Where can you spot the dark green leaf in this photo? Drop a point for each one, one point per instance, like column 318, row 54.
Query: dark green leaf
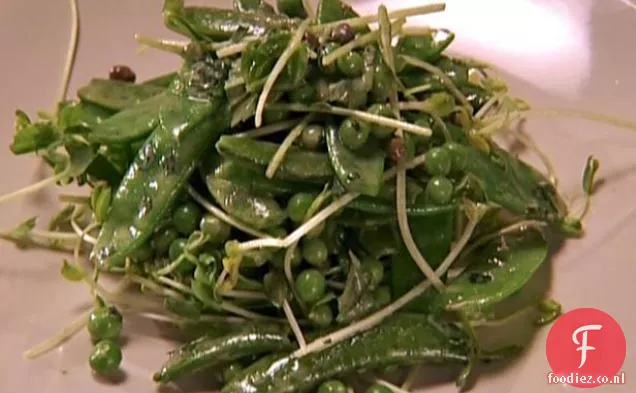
column 30, row 137
column 72, row 272
column 426, row 47
column 335, row 10
column 276, row 288
column 259, row 57
column 188, row 308
column 496, row 272
column 357, row 298
column 360, row 171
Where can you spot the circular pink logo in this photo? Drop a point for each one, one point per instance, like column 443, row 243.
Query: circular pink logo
column 586, row 348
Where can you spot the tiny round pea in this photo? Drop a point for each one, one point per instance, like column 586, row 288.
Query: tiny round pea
column 176, row 248
column 332, row 386
column 328, row 48
column 315, row 252
column 353, row 134
column 163, row 239
column 143, row 253
column 439, row 190
column 278, row 261
column 185, row 218
column 105, row 358
column 381, row 110
column 312, row 136
column 351, row 64
column 316, row 232
column 278, row 232
column 382, row 296
column 376, row 270
column 310, row 285
column 298, row 205
column 303, row 94
column 321, row 316
column 104, row 323
column 438, row 161
column 458, row 160
column 231, row 371
column 377, row 388
column 216, row 230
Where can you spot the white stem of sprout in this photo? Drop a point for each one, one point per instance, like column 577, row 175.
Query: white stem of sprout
column 279, row 155
column 59, row 338
column 395, row 389
column 294, row 42
column 240, row 311
column 72, row 50
column 357, row 114
column 240, row 294
column 293, row 323
column 31, row 188
column 171, row 46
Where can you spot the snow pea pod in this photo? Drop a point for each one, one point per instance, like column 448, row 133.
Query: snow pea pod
column 485, row 283
column 214, row 24
column 253, row 179
column 116, row 95
column 209, row 351
column 258, row 211
column 134, row 123
column 360, row 171
column 379, row 207
column 401, row 340
column 162, row 166
column 298, row 164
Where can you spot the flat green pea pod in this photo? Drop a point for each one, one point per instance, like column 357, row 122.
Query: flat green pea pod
column 116, row 95
column 134, row 123
column 485, row 283
column 378, row 207
column 298, row 164
column 427, row 47
column 162, row 166
column 360, row 171
column 214, row 24
column 509, row 182
column 399, row 341
column 260, row 212
column 207, row 352
column 253, row 179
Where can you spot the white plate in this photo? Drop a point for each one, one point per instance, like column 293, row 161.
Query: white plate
column 556, row 53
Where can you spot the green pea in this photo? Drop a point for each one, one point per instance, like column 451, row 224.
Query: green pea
column 382, row 296
column 312, row 136
column 315, row 252
column 186, row 217
column 278, row 232
column 351, row 64
column 272, row 116
column 303, row 94
column 327, row 49
column 104, row 323
column 332, row 386
column 458, row 159
column 353, row 134
column 278, row 261
column 377, row 388
column 385, row 111
column 310, row 285
column 216, row 230
column 144, row 253
column 438, row 161
column 375, row 270
column 105, row 358
column 298, row 206
column 176, row 248
column 163, row 239
column 231, row 371
column 321, row 316
column 439, row 190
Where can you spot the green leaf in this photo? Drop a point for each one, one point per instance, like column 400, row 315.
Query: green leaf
column 259, row 57
column 30, row 137
column 188, row 308
column 72, row 272
column 497, row 271
column 357, row 298
column 427, row 47
column 21, row 235
column 335, row 10
column 81, row 156
column 116, row 95
column 360, row 171
column 62, row 218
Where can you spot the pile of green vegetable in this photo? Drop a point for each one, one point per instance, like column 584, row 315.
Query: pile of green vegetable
column 319, row 198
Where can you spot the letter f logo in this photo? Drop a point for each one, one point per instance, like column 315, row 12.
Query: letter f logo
column 584, row 347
